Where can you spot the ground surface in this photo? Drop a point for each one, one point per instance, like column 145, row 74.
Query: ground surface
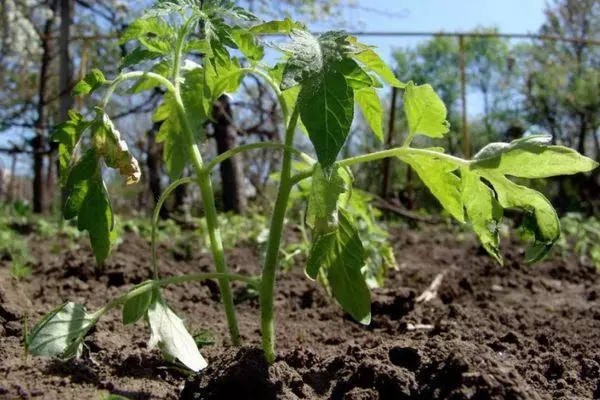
column 512, row 332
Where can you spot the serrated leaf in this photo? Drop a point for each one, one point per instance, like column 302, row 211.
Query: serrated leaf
column 532, row 157
column 327, row 110
column 90, row 83
column 356, row 77
column 483, row 211
column 425, row 111
column 341, row 255
column 171, row 134
column 68, row 134
column 369, row 103
column 148, row 27
column 312, row 56
column 167, row 331
column 437, row 174
column 325, row 198
column 544, row 222
column 137, row 56
column 96, row 217
column 372, row 62
column 247, row 43
column 136, row 307
column 61, row 332
column 281, row 26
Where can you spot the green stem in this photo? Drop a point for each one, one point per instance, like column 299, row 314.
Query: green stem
column 134, row 75
column 156, row 216
column 210, row 210
column 252, row 146
column 174, row 280
column 398, row 152
column 275, row 231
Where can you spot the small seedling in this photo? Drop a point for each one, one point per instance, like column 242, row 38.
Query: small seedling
column 193, row 53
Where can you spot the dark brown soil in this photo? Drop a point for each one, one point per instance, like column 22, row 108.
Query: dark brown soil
column 511, row 332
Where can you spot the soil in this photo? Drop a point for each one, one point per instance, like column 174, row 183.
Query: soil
column 491, row 332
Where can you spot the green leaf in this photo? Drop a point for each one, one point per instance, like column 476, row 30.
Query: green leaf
column 248, row 45
column 77, row 183
column 68, row 134
column 96, row 217
column 84, row 169
column 167, row 330
column 341, row 255
column 437, row 174
column 61, row 332
column 532, row 157
column 369, row 103
column 544, row 222
column 311, row 56
column 282, row 26
column 136, row 307
column 90, row 83
column 356, row 77
column 425, row 111
column 483, row 211
column 325, row 198
column 372, row 62
column 137, row 56
column 171, row 134
column 327, row 110
column 146, row 28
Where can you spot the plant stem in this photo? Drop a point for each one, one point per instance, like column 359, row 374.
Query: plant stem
column 134, row 75
column 275, row 231
column 398, row 152
column 252, row 146
column 156, row 216
column 174, row 280
column 208, row 199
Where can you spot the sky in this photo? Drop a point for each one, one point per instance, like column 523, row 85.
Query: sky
column 509, row 16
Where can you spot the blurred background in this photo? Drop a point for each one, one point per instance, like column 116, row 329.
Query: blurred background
column 504, row 70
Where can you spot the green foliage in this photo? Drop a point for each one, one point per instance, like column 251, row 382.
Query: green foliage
column 319, row 80
column 90, row 83
column 581, row 237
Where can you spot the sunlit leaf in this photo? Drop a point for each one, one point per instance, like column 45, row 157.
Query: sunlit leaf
column 369, row 103
column 425, row 111
column 90, row 83
column 61, row 332
column 532, row 157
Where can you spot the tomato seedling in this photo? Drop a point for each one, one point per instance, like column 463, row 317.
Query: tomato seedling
column 195, row 54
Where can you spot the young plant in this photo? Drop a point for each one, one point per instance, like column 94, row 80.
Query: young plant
column 192, row 52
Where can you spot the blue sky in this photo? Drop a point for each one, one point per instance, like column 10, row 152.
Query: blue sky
column 510, row 16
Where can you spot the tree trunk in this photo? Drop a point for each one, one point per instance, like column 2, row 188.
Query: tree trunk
column 232, row 175
column 39, row 142
column 65, row 84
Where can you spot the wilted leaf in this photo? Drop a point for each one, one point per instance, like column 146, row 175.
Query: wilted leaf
column 167, row 331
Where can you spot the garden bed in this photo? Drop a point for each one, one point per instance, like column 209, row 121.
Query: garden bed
column 492, row 332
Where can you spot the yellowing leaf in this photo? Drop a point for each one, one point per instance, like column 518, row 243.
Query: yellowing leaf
column 437, row 174
column 425, row 111
column 369, row 103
